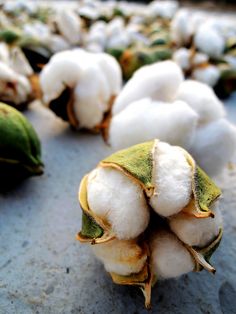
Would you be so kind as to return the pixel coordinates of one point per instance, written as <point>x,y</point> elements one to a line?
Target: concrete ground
<point>44,270</point>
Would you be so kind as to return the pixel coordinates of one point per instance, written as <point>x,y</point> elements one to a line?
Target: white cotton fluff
<point>159,81</point>
<point>116,198</point>
<point>94,78</point>
<point>19,63</point>
<point>200,58</point>
<point>209,41</point>
<point>201,98</point>
<point>214,145</point>
<point>145,120</point>
<point>120,257</point>
<point>172,179</point>
<point>208,75</point>
<point>165,9</point>
<point>4,53</point>
<point>69,25</point>
<point>169,258</point>
<point>196,231</point>
<point>57,43</point>
<point>181,57</point>
<point>20,90</point>
<point>181,27</point>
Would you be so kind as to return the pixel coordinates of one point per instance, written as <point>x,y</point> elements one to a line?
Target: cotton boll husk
<point>181,57</point>
<point>196,231</point>
<point>69,25</point>
<point>208,75</point>
<point>120,257</point>
<point>214,146</point>
<point>145,119</point>
<point>116,198</point>
<point>159,81</point>
<point>169,257</point>
<point>201,98</point>
<point>208,40</point>
<point>172,179</point>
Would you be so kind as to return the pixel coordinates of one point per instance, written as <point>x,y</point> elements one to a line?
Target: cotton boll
<point>196,231</point>
<point>120,257</point>
<point>20,88</point>
<point>169,258</point>
<point>119,40</point>
<point>172,178</point>
<point>181,27</point>
<point>159,81</point>
<point>115,197</point>
<point>208,75</point>
<point>69,25</point>
<point>145,119</point>
<point>201,98</point>
<point>57,43</point>
<point>165,9</point>
<point>208,40</point>
<point>214,145</point>
<point>181,57</point>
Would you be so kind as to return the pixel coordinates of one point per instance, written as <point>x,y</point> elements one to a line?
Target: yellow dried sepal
<point>205,192</point>
<point>94,229</point>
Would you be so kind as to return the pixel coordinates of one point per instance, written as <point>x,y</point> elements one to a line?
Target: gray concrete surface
<point>43,269</point>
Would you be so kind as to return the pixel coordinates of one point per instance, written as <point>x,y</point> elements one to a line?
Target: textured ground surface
<point>43,269</point>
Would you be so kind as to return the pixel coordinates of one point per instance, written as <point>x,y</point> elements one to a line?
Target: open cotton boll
<point>116,198</point>
<point>57,43</point>
<point>120,257</point>
<point>181,57</point>
<point>18,91</point>
<point>208,75</point>
<point>196,231</point>
<point>69,25</point>
<point>201,98</point>
<point>181,27</point>
<point>200,58</point>
<point>169,257</point>
<point>145,120</point>
<point>172,179</point>
<point>159,81</point>
<point>165,9</point>
<point>214,146</point>
<point>208,40</point>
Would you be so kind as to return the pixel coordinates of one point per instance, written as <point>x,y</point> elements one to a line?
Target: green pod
<point>9,36</point>
<point>20,150</point>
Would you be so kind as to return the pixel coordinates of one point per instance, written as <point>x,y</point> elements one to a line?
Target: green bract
<point>20,150</point>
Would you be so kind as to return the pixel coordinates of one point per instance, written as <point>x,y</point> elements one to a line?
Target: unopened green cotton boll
<point>20,150</point>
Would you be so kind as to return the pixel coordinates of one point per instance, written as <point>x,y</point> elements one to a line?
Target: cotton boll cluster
<point>76,70</point>
<point>135,214</point>
<point>157,103</point>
